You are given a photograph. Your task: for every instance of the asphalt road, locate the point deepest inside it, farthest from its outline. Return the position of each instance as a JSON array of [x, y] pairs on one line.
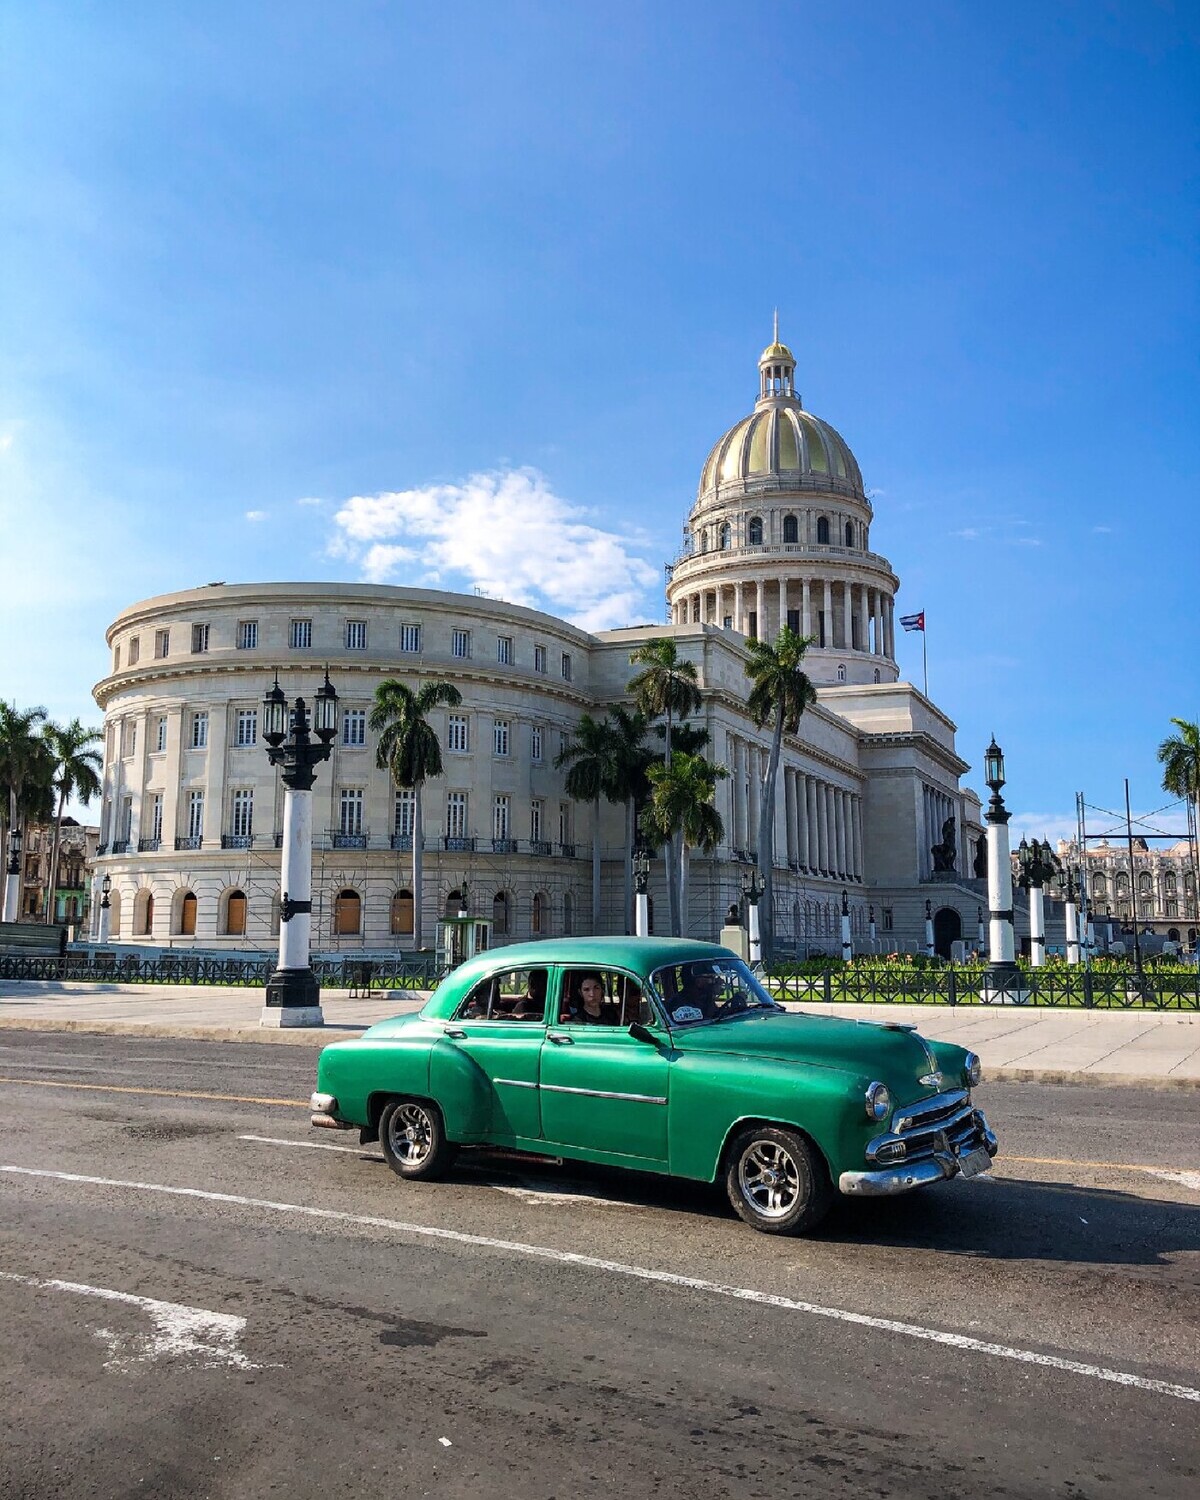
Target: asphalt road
[[199, 1297]]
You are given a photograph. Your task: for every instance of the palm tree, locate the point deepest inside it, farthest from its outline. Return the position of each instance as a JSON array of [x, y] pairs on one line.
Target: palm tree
[[22, 765], [666, 687], [631, 784], [409, 749], [1180, 758], [593, 761], [682, 810], [76, 774], [782, 691]]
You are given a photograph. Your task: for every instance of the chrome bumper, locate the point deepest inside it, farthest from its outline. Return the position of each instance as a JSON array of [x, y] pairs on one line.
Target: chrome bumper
[[323, 1107], [902, 1178]]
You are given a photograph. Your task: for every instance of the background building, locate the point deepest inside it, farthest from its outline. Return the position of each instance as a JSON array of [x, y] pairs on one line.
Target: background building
[[1162, 884], [192, 811]]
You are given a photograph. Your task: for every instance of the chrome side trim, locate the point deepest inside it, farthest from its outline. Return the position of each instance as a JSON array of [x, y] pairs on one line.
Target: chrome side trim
[[516, 1083], [561, 1088]]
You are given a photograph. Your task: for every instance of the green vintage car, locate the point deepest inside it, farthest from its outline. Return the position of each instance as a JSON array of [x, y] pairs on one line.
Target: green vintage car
[[666, 1056]]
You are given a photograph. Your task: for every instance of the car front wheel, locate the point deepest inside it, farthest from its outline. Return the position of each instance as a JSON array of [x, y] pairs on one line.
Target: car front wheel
[[777, 1181], [413, 1136]]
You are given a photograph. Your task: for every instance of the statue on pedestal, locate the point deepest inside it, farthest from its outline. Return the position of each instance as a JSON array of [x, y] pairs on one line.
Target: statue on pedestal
[[980, 867], [945, 854]]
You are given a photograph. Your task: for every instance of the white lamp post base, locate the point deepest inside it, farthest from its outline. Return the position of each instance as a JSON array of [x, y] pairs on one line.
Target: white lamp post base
[[292, 1015]]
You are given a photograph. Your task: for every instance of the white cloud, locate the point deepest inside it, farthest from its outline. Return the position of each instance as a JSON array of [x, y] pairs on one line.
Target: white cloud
[[1101, 530], [968, 533], [310, 500], [256, 515], [505, 533], [6, 441]]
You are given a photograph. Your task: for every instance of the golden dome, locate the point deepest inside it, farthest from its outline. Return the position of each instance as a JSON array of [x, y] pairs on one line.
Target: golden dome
[[778, 443], [777, 353]]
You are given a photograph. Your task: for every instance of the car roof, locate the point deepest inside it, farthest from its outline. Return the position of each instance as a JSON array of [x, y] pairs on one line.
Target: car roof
[[642, 955]]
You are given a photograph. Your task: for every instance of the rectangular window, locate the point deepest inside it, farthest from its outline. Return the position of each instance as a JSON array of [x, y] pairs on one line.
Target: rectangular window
[[539, 659], [247, 727], [500, 737], [793, 621], [354, 727], [566, 666], [456, 815], [160, 741], [243, 813], [135, 650], [126, 817], [457, 737], [500, 817], [116, 658], [128, 737], [460, 643], [535, 743], [156, 806], [162, 643], [247, 635], [410, 637], [504, 650], [535, 819], [887, 919], [405, 803], [199, 638], [300, 635], [199, 730], [350, 818], [195, 815], [564, 822], [356, 635]]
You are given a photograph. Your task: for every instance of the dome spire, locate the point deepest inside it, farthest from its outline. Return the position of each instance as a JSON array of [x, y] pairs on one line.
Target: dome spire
[[776, 367]]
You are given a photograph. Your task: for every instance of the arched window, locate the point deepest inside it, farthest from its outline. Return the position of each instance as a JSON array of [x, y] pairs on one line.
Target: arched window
[[823, 530], [347, 913], [724, 536], [841, 672], [849, 533], [1169, 883], [1143, 884], [402, 914], [791, 529], [568, 914], [1099, 887], [756, 531], [704, 541], [454, 904], [500, 914], [1122, 884], [143, 913], [539, 920], [235, 914], [186, 926]]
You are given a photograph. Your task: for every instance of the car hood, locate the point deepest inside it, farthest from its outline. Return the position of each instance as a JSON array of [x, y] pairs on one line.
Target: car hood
[[894, 1055]]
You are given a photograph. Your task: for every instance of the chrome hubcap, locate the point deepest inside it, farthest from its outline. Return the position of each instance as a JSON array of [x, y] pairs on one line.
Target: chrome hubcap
[[410, 1134], [769, 1179]]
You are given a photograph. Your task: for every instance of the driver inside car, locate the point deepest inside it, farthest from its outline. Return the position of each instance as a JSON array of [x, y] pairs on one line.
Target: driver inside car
[[699, 997]]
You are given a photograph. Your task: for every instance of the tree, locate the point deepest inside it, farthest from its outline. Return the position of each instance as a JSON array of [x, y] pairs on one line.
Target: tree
[[23, 762], [76, 774], [1179, 755], [666, 687], [409, 749], [682, 812], [782, 691], [592, 758], [631, 760]]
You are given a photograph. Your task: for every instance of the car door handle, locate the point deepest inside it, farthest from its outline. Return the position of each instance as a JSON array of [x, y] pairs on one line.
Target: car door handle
[[560, 1039], [456, 1036]]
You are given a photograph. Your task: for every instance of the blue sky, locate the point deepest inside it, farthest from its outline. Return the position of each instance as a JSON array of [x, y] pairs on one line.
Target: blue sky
[[261, 259]]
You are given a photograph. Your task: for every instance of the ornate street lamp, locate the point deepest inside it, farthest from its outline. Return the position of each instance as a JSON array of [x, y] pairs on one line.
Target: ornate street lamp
[[871, 925], [297, 745], [847, 946], [753, 885], [641, 900], [1038, 865], [12, 877], [105, 908], [1002, 971], [1067, 890], [929, 929]]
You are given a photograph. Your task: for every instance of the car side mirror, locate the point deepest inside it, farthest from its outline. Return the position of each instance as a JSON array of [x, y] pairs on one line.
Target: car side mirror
[[642, 1033]]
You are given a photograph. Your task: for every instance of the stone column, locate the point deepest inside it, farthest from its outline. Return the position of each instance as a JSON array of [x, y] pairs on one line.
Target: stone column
[[828, 642], [864, 629], [802, 819], [739, 793], [805, 609], [739, 620], [840, 811], [847, 617], [889, 628], [789, 813], [878, 623]]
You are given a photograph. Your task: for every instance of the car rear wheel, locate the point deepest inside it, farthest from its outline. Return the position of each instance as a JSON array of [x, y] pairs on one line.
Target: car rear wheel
[[413, 1136], [777, 1181]]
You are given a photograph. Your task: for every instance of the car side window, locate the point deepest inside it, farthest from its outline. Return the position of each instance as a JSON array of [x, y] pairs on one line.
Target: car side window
[[601, 997], [517, 995]]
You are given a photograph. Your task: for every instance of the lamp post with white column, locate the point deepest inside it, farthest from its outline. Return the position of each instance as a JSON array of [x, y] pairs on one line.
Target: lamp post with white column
[[929, 929], [1002, 978], [753, 886], [12, 876], [871, 926], [1070, 914], [1037, 864], [847, 945], [641, 900], [105, 909], [297, 748], [981, 935]]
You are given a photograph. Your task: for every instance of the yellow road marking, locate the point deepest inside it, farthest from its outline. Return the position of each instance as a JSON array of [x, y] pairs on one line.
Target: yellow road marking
[[118, 1088], [1066, 1161]]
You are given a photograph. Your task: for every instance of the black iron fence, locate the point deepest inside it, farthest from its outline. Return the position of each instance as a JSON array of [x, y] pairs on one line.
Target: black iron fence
[[419, 973], [950, 984]]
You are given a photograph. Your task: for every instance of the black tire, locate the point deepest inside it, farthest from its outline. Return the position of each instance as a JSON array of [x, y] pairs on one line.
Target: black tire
[[777, 1180], [412, 1134]]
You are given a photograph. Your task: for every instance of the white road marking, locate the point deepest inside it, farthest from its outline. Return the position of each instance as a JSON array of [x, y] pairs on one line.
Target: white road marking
[[194, 1335], [643, 1273], [527, 1192], [1186, 1179]]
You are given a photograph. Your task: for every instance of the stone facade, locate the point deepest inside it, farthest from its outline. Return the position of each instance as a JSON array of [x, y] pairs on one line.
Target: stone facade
[[77, 848], [1165, 882]]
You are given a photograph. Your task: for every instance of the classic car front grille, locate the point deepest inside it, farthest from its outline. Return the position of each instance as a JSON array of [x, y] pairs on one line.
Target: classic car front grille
[[943, 1123]]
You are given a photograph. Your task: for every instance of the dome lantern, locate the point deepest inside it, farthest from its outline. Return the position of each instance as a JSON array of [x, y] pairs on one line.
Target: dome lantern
[[776, 368]]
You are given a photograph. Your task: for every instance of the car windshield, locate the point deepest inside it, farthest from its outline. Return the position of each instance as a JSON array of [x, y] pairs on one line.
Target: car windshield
[[709, 989]]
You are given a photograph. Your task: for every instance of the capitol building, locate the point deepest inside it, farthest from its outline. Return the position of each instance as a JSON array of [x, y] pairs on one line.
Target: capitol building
[[780, 534]]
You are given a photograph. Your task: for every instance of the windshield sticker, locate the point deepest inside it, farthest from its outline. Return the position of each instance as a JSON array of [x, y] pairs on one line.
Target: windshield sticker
[[687, 1013]]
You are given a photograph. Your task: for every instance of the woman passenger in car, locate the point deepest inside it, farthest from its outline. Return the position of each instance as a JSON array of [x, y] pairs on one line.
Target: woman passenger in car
[[586, 1003]]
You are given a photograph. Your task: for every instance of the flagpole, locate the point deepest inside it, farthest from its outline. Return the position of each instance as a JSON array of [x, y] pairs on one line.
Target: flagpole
[[925, 654]]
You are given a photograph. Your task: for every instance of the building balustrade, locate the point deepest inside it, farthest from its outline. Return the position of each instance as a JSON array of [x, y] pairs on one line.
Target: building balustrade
[[120, 846], [237, 841], [340, 840], [402, 841], [189, 841], [149, 846]]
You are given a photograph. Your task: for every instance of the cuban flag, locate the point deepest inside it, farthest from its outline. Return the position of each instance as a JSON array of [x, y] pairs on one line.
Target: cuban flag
[[913, 622]]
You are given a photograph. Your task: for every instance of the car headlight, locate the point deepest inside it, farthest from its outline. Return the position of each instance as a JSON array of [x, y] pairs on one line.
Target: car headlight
[[973, 1068], [879, 1102]]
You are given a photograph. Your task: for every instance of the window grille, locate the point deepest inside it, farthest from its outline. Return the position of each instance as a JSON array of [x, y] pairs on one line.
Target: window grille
[[535, 743], [405, 804], [460, 643], [410, 637], [300, 635], [356, 635], [351, 810], [195, 815], [500, 737], [243, 813], [199, 730], [456, 815], [354, 727], [500, 817], [456, 733], [156, 809], [247, 726], [247, 635], [199, 638]]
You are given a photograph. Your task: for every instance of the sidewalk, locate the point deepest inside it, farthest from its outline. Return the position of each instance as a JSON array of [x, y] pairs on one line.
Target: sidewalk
[[1150, 1048]]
